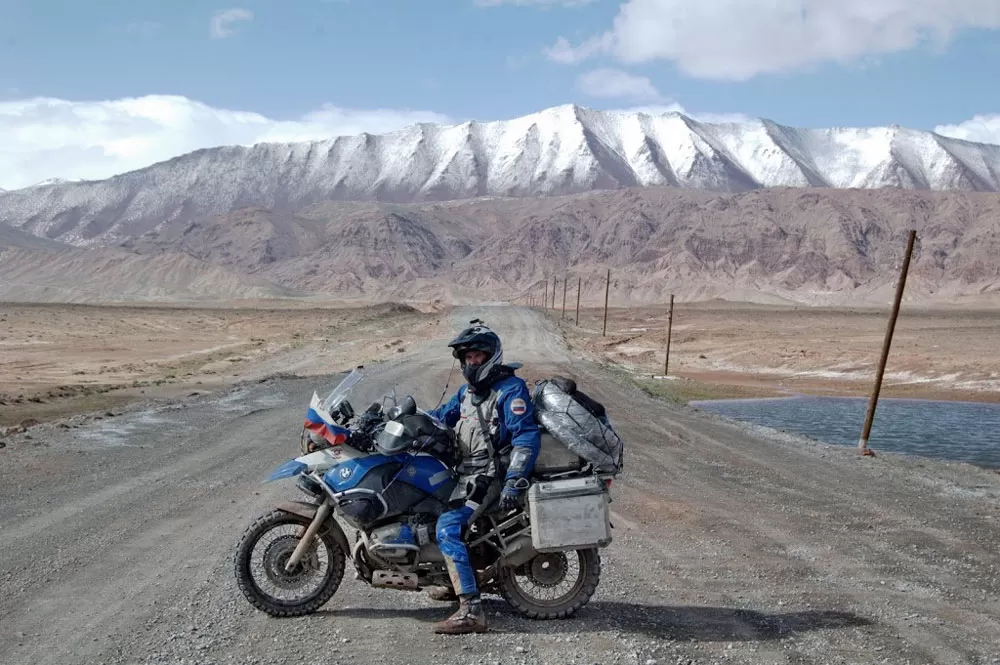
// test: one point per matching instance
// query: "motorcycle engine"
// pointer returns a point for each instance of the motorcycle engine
(393, 542)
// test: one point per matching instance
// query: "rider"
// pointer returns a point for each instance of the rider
(499, 402)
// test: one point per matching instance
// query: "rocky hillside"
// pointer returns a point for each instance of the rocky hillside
(36, 270)
(788, 244)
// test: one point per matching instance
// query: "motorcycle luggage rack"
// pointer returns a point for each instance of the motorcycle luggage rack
(497, 530)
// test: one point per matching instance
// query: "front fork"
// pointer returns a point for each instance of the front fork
(300, 549)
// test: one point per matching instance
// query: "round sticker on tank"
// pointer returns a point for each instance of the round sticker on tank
(518, 407)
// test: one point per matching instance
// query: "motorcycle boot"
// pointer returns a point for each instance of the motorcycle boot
(470, 618)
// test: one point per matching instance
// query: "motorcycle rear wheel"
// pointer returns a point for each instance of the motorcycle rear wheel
(275, 556)
(546, 571)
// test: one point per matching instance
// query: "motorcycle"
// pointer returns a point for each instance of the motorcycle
(388, 474)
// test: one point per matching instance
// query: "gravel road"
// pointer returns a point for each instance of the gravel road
(732, 544)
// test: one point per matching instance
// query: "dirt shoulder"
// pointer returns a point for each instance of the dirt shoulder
(61, 360)
(722, 350)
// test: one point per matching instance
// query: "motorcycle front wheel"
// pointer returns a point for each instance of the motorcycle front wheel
(553, 585)
(260, 560)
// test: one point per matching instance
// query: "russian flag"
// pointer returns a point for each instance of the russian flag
(320, 422)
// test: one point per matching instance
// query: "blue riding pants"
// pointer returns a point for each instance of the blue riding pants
(456, 554)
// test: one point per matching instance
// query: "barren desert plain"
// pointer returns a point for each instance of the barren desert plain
(728, 349)
(58, 360)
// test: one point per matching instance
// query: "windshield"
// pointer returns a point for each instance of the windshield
(340, 392)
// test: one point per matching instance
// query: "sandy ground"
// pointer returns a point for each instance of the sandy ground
(724, 349)
(56, 360)
(732, 544)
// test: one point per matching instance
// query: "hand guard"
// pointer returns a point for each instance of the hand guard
(512, 490)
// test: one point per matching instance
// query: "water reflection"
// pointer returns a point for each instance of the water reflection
(963, 431)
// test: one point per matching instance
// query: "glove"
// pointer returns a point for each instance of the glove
(510, 497)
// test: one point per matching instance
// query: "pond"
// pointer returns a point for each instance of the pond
(961, 431)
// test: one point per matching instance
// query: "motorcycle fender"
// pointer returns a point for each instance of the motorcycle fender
(308, 511)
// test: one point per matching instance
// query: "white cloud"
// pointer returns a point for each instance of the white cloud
(674, 107)
(564, 52)
(46, 138)
(607, 82)
(981, 129)
(222, 21)
(739, 39)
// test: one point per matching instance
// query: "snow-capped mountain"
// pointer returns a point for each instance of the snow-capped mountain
(51, 181)
(560, 150)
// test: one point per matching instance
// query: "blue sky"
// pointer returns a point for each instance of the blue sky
(350, 65)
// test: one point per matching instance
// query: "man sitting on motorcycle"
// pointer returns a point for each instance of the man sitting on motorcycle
(492, 415)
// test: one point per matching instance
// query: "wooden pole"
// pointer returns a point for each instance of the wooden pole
(873, 402)
(546, 301)
(565, 281)
(579, 283)
(607, 289)
(670, 325)
(553, 292)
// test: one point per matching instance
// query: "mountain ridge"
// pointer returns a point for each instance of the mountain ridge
(807, 246)
(557, 151)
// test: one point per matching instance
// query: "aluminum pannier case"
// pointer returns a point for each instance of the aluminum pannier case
(569, 514)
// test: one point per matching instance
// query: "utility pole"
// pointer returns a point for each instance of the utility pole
(670, 325)
(607, 289)
(579, 283)
(565, 281)
(553, 292)
(873, 402)
(545, 302)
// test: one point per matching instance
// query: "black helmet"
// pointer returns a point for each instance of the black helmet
(478, 337)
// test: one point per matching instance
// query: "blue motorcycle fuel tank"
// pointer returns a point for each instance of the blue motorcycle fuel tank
(427, 473)
(422, 471)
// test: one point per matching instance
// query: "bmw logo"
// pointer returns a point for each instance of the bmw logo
(345, 473)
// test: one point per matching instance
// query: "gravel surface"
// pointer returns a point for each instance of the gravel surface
(733, 544)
